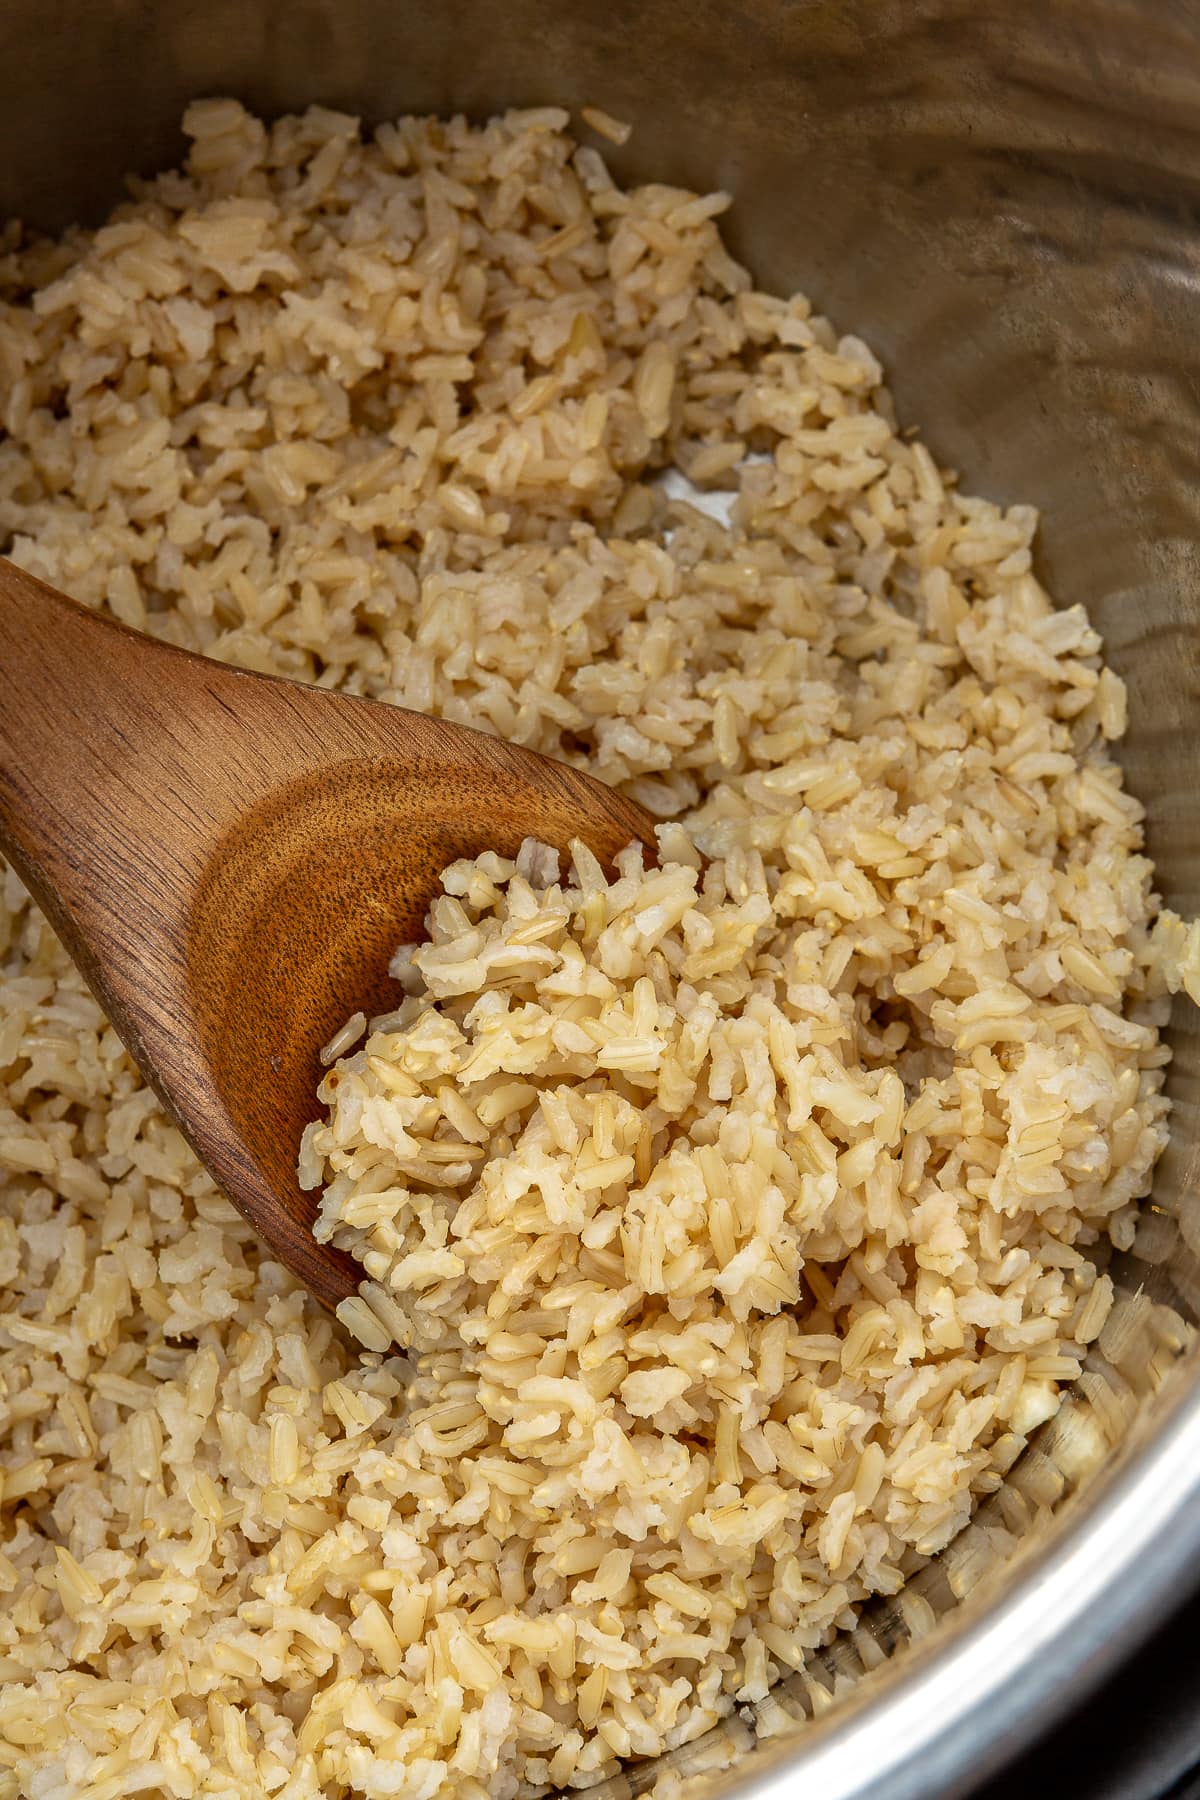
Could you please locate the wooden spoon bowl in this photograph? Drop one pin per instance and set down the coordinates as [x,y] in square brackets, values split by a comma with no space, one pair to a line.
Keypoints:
[233,859]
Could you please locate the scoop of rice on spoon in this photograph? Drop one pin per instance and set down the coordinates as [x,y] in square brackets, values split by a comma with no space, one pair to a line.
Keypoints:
[232,859]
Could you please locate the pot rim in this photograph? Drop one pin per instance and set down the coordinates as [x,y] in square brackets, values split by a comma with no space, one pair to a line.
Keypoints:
[1124,1554]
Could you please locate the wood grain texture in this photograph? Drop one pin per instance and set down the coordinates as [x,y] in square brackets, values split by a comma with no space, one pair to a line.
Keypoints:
[232,860]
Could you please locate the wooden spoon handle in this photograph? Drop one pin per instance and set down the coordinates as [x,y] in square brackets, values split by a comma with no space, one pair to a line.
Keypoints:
[78,696]
[58,700]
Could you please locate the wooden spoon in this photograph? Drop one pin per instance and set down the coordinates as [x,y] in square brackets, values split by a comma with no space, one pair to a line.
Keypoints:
[232,860]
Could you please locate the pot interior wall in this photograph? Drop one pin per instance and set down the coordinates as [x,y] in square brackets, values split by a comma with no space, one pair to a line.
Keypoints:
[1002,197]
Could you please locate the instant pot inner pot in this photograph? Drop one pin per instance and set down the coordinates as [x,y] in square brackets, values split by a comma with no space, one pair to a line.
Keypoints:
[1004,199]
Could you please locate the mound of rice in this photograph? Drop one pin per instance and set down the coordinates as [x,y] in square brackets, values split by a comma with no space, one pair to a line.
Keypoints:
[744,1213]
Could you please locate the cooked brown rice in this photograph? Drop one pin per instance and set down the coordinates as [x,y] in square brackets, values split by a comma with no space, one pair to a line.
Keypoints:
[748,1211]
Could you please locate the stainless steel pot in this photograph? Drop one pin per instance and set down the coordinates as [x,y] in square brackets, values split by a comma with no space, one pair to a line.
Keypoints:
[1003,196]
